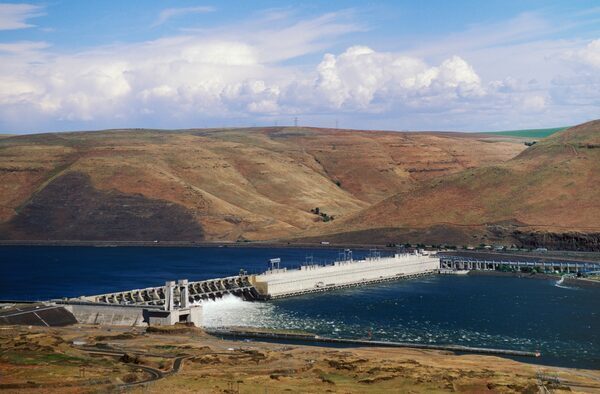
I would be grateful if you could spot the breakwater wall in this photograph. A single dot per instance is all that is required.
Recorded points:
(311, 338)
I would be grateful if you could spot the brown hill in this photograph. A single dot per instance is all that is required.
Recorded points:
(228, 184)
(547, 195)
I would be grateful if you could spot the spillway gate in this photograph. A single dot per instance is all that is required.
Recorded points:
(198, 291)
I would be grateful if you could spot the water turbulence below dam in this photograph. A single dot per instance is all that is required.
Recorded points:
(492, 312)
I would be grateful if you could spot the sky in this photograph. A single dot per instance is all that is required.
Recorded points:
(389, 65)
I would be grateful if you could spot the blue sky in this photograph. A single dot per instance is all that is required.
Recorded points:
(397, 65)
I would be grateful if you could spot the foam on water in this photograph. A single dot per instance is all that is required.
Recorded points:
(232, 311)
(559, 283)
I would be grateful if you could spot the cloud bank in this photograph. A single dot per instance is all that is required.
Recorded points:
(211, 77)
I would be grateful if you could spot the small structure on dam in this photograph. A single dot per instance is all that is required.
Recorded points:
(180, 312)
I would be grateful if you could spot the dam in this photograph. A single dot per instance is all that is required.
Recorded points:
(181, 301)
(277, 282)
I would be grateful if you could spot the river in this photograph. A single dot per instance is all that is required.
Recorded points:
(502, 312)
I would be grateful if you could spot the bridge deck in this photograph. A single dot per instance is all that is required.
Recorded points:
(462, 262)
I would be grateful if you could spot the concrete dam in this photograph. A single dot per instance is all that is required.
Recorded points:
(279, 282)
(182, 301)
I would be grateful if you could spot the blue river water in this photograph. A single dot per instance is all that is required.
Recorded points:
(562, 322)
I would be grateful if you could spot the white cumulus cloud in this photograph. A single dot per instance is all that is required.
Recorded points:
(361, 78)
(589, 55)
(248, 74)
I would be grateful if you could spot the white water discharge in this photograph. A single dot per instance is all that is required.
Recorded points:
(559, 283)
(232, 311)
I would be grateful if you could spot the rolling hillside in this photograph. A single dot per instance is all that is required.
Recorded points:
(547, 195)
(220, 184)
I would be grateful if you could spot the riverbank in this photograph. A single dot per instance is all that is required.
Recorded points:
(555, 255)
(92, 358)
(194, 244)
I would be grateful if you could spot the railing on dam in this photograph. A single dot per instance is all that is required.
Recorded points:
(458, 262)
(198, 292)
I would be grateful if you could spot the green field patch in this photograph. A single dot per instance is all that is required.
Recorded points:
(529, 133)
(34, 358)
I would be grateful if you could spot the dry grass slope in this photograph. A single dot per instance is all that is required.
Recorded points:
(550, 187)
(234, 184)
(260, 184)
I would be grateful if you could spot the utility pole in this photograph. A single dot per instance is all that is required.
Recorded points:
(336, 124)
(296, 121)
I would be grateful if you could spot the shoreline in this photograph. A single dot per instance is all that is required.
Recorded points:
(557, 255)
(325, 341)
(193, 244)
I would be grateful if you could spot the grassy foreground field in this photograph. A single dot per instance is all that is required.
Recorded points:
(42, 359)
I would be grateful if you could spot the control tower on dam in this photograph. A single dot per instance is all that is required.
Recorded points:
(281, 282)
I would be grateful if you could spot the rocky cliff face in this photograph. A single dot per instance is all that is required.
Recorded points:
(562, 241)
